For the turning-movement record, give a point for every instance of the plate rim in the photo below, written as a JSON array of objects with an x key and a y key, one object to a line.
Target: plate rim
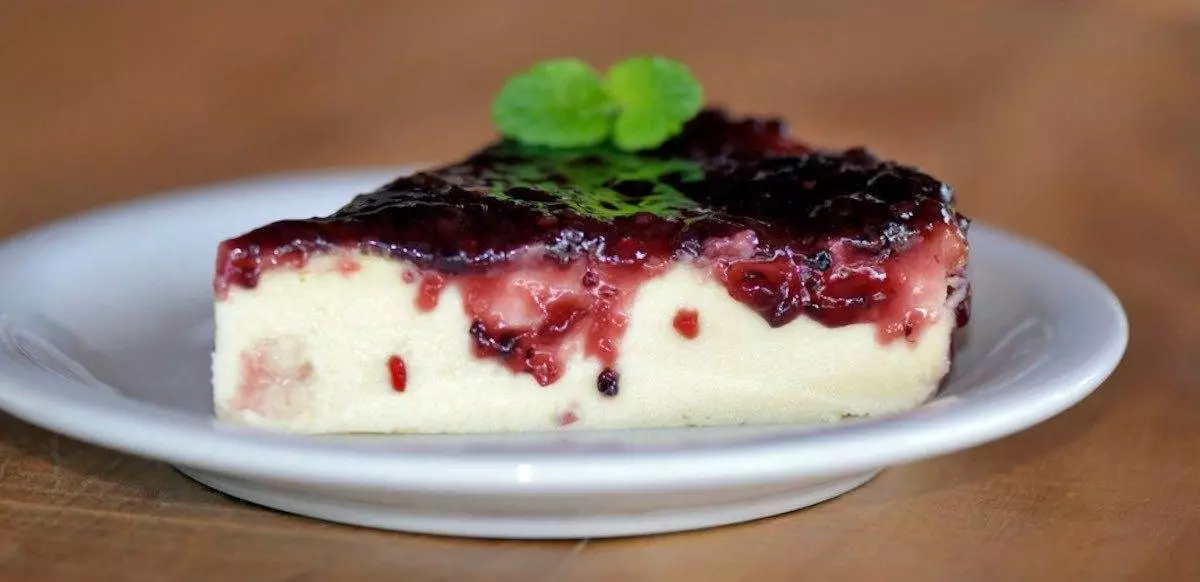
[{"x": 138, "y": 428}]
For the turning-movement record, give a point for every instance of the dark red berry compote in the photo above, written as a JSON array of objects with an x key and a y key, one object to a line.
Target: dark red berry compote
[{"x": 547, "y": 246}]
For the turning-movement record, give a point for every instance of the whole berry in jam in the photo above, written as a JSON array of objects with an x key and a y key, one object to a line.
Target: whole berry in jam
[{"x": 607, "y": 382}]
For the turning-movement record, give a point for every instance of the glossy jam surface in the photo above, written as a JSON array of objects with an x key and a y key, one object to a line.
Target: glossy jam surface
[{"x": 548, "y": 247}]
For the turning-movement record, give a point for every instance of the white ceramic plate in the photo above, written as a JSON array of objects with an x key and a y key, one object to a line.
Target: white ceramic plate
[{"x": 106, "y": 334}]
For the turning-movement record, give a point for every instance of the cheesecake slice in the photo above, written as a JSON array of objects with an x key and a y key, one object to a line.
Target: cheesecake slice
[{"x": 730, "y": 276}]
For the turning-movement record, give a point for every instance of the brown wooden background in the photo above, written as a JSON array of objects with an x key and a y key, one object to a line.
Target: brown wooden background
[{"x": 1075, "y": 123}]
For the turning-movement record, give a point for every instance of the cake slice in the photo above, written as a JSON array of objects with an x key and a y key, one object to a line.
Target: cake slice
[{"x": 729, "y": 276}]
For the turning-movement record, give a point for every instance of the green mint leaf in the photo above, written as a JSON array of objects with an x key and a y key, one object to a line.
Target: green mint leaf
[
  {"x": 558, "y": 103},
  {"x": 656, "y": 96}
]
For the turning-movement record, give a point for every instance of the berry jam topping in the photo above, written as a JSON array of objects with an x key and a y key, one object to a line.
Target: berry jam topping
[
  {"x": 531, "y": 314},
  {"x": 347, "y": 265},
  {"x": 270, "y": 370},
  {"x": 398, "y": 373},
  {"x": 687, "y": 323},
  {"x": 607, "y": 382},
  {"x": 431, "y": 287},
  {"x": 566, "y": 418},
  {"x": 548, "y": 246}
]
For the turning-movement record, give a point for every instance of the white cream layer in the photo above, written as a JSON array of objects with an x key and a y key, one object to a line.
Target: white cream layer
[{"x": 319, "y": 339}]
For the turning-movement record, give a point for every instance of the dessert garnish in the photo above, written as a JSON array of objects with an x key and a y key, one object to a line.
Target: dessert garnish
[{"x": 638, "y": 103}]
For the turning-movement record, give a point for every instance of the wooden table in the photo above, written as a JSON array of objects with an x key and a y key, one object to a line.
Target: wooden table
[{"x": 1075, "y": 125}]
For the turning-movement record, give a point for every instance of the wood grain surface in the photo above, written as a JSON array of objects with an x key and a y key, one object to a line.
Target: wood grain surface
[{"x": 1074, "y": 123}]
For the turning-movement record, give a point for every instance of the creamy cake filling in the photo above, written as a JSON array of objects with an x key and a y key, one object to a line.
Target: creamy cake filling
[{"x": 313, "y": 350}]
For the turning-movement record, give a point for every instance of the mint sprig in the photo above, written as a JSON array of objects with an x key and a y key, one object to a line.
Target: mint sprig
[
  {"x": 560, "y": 103},
  {"x": 656, "y": 96},
  {"x": 564, "y": 103}
]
